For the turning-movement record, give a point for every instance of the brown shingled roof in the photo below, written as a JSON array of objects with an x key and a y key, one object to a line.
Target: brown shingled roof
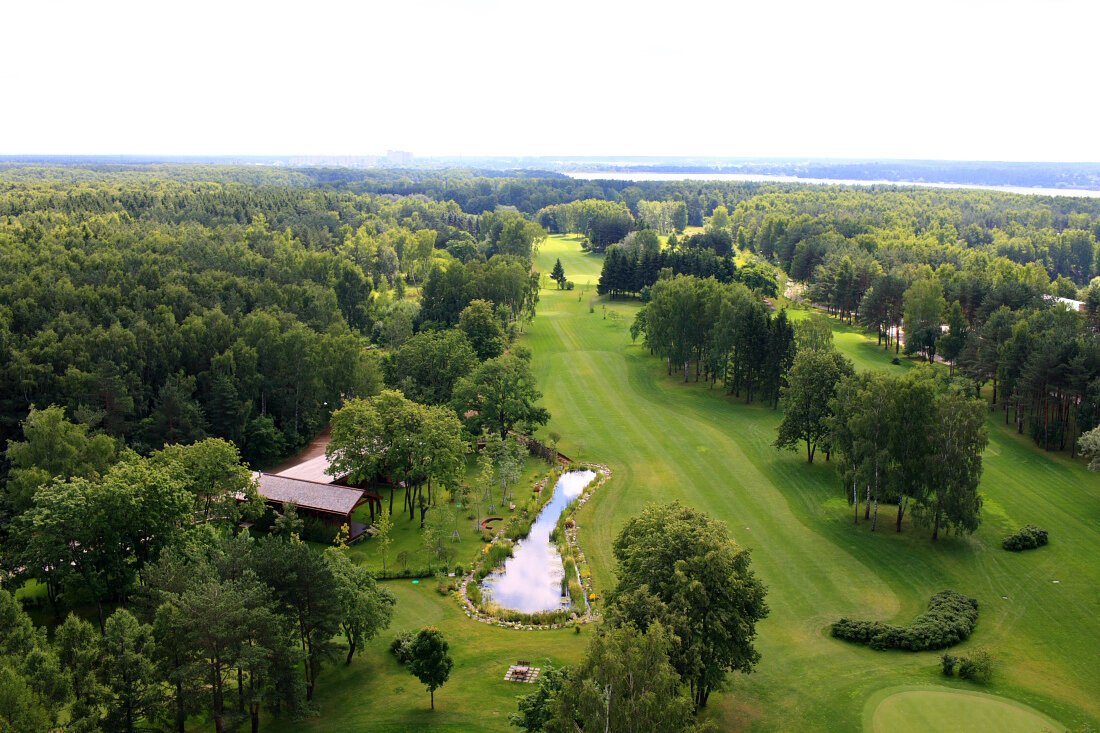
[{"x": 309, "y": 494}]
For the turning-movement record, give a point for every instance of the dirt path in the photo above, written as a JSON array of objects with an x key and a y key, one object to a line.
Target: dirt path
[{"x": 315, "y": 449}]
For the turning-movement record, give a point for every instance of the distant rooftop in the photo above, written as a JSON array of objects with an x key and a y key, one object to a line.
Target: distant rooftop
[{"x": 309, "y": 494}]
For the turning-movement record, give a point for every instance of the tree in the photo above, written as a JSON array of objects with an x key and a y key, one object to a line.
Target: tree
[
  {"x": 911, "y": 420},
  {"x": 625, "y": 683},
  {"x": 558, "y": 274},
  {"x": 812, "y": 383},
  {"x": 1089, "y": 445},
  {"x": 508, "y": 461},
  {"x": 678, "y": 567},
  {"x": 429, "y": 660},
  {"x": 366, "y": 608},
  {"x": 482, "y": 329},
  {"x": 924, "y": 309},
  {"x": 78, "y": 648},
  {"x": 957, "y": 438},
  {"x": 536, "y": 710},
  {"x": 211, "y": 471},
  {"x": 175, "y": 660},
  {"x": 305, "y": 590},
  {"x": 813, "y": 333},
  {"x": 499, "y": 395},
  {"x": 54, "y": 448},
  {"x": 951, "y": 344},
  {"x": 101, "y": 533},
  {"x": 384, "y": 525},
  {"x": 427, "y": 366},
  {"x": 129, "y": 672}
]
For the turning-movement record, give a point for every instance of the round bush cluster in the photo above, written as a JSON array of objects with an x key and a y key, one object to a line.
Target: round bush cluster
[{"x": 1026, "y": 538}]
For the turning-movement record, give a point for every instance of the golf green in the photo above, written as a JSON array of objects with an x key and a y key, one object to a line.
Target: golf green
[{"x": 933, "y": 709}]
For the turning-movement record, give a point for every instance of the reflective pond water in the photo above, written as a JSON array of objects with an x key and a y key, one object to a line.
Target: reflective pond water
[{"x": 530, "y": 580}]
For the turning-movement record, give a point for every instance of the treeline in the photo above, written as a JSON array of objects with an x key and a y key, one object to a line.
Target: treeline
[
  {"x": 998, "y": 326},
  {"x": 725, "y": 329},
  {"x": 899, "y": 227},
  {"x": 158, "y": 307}
]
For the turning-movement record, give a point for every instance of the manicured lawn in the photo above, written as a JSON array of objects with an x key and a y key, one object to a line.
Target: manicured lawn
[
  {"x": 665, "y": 440},
  {"x": 376, "y": 693},
  {"x": 924, "y": 709},
  {"x": 612, "y": 402}
]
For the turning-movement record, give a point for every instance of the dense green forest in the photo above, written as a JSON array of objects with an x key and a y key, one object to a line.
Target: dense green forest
[{"x": 165, "y": 328}]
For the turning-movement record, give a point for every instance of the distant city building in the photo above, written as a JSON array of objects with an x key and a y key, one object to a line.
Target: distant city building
[{"x": 398, "y": 157}]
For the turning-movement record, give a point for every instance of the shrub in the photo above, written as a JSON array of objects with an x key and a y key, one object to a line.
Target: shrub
[
  {"x": 401, "y": 646},
  {"x": 978, "y": 668},
  {"x": 948, "y": 661},
  {"x": 460, "y": 570},
  {"x": 950, "y": 618},
  {"x": 569, "y": 285},
  {"x": 473, "y": 592},
  {"x": 1027, "y": 537},
  {"x": 895, "y": 361}
]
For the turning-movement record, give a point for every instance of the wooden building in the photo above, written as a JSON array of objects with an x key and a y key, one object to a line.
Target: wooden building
[{"x": 331, "y": 503}]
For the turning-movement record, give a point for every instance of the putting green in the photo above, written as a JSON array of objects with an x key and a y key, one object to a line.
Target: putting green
[{"x": 928, "y": 709}]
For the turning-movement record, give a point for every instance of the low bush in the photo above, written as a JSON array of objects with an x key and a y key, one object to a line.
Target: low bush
[
  {"x": 1026, "y": 538},
  {"x": 950, "y": 618},
  {"x": 401, "y": 645},
  {"x": 473, "y": 592},
  {"x": 948, "y": 662},
  {"x": 977, "y": 668}
]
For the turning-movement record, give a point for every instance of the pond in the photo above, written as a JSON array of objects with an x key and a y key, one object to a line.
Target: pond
[{"x": 530, "y": 581}]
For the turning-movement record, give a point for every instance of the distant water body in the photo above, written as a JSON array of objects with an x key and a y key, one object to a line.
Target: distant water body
[{"x": 753, "y": 177}]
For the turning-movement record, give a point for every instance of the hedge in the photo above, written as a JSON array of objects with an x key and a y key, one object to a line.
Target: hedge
[{"x": 950, "y": 619}]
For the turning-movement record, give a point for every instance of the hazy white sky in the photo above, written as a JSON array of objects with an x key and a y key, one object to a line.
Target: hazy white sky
[{"x": 965, "y": 79}]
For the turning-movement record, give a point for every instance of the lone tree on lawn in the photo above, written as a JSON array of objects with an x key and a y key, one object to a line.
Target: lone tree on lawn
[
  {"x": 679, "y": 568},
  {"x": 558, "y": 274},
  {"x": 429, "y": 660}
]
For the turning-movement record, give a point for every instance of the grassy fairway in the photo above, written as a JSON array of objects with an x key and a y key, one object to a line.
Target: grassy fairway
[{"x": 666, "y": 440}]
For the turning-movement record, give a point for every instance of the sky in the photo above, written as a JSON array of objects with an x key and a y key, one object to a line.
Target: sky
[{"x": 965, "y": 79}]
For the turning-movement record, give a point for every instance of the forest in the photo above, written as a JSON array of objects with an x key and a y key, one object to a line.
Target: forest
[{"x": 166, "y": 329}]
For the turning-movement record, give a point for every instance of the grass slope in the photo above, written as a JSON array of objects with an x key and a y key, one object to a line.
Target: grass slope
[{"x": 666, "y": 440}]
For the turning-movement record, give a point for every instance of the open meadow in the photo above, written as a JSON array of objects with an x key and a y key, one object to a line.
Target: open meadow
[{"x": 664, "y": 441}]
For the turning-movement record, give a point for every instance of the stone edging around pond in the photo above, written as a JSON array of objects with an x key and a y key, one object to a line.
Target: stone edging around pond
[{"x": 603, "y": 473}]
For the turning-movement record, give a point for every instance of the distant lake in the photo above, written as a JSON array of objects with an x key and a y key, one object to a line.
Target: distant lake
[{"x": 757, "y": 178}]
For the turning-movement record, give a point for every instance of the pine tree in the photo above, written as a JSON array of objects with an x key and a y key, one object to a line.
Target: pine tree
[{"x": 558, "y": 274}]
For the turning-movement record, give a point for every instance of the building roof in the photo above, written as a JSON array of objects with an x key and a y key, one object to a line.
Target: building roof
[
  {"x": 311, "y": 470},
  {"x": 309, "y": 494}
]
